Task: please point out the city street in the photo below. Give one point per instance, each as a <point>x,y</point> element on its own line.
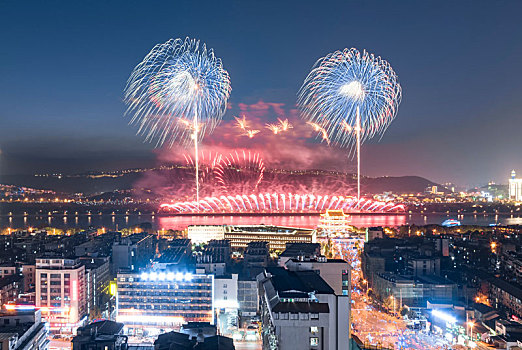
<point>60,344</point>
<point>372,326</point>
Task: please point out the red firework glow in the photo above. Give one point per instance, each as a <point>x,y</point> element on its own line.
<point>281,203</point>
<point>241,171</point>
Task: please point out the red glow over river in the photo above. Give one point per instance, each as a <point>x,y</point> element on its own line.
<point>304,221</point>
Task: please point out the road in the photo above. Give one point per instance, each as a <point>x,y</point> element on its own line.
<point>60,344</point>
<point>374,327</point>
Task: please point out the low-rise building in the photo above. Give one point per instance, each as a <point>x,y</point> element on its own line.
<point>256,255</point>
<point>101,335</point>
<point>505,296</point>
<point>241,235</point>
<point>296,250</point>
<point>176,340</point>
<point>414,291</point>
<point>11,287</point>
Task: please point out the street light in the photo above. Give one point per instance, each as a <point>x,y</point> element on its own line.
<point>471,324</point>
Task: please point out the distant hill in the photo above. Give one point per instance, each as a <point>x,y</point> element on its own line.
<point>175,182</point>
<point>400,184</point>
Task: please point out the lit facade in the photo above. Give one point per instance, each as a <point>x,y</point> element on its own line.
<point>164,299</point>
<point>205,233</point>
<point>515,187</point>
<point>241,235</point>
<point>61,292</point>
<point>334,221</point>
<point>300,311</point>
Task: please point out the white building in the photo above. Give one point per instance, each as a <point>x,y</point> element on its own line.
<point>299,310</point>
<point>225,292</point>
<point>335,272</point>
<point>204,233</point>
<point>61,292</point>
<point>515,187</point>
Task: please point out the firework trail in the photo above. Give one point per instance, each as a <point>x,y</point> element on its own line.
<point>241,123</point>
<point>321,130</point>
<point>240,172</point>
<point>176,82</point>
<point>344,81</point>
<point>285,125</point>
<point>251,133</point>
<point>282,203</point>
<point>353,96</point>
<point>207,163</point>
<point>275,128</point>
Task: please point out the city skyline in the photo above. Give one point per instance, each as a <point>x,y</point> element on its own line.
<point>455,87</point>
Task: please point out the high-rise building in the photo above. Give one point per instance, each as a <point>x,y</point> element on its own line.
<point>61,292</point>
<point>133,251</point>
<point>335,272</point>
<point>299,310</point>
<point>515,187</point>
<point>97,278</point>
<point>164,298</point>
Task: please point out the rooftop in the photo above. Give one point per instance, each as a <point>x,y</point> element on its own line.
<point>105,327</point>
<point>509,288</point>
<point>302,307</point>
<point>299,249</point>
<point>301,281</point>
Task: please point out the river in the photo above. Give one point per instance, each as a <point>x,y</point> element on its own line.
<point>119,221</point>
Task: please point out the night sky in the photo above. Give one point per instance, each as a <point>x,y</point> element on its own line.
<point>64,64</point>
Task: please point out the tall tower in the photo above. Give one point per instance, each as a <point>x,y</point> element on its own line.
<point>515,187</point>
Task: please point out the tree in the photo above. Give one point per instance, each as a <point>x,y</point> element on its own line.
<point>95,313</point>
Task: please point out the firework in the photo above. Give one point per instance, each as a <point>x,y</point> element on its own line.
<point>178,81</point>
<point>239,172</point>
<point>241,123</point>
<point>207,162</point>
<point>251,133</point>
<point>275,128</point>
<point>282,203</point>
<point>321,130</point>
<point>285,124</point>
<point>354,89</point>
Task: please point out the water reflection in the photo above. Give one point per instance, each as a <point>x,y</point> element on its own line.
<point>114,222</point>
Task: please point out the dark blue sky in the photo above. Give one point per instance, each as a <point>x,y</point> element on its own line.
<point>63,66</point>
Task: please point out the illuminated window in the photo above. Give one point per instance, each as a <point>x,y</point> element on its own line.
<point>314,330</point>
<point>314,341</point>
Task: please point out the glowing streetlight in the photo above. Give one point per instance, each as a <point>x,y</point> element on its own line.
<point>471,324</point>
